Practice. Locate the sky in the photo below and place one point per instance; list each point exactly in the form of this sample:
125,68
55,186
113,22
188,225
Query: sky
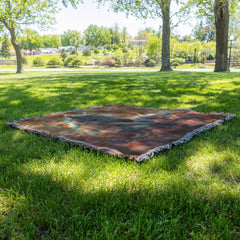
88,13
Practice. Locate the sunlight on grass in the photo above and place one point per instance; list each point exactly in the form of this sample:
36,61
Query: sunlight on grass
54,190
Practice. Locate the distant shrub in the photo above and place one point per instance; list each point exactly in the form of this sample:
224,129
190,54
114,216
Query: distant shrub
203,59
175,64
86,52
126,58
63,54
109,61
109,48
150,62
24,60
115,46
68,60
125,50
130,63
119,60
73,61
97,62
74,51
76,62
54,62
38,62
96,50
138,62
105,52
178,60
118,52
131,46
211,57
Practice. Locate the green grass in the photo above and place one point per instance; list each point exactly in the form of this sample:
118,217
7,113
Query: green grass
53,190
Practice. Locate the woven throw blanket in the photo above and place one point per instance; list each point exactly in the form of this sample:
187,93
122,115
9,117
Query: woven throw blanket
123,130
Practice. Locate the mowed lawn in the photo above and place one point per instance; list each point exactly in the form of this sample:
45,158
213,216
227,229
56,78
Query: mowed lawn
53,190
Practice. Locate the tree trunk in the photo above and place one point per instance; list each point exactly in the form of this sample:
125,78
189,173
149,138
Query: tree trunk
221,12
17,48
165,8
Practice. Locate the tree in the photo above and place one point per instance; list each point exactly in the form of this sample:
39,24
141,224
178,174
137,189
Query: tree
115,35
124,35
234,25
5,50
15,15
144,9
165,9
72,38
51,41
31,41
221,10
97,36
205,32
154,48
144,35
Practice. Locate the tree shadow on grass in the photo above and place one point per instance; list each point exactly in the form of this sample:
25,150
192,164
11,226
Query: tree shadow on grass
42,206
110,198
39,95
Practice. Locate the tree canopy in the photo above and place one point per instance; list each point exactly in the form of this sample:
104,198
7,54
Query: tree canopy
97,36
71,38
17,15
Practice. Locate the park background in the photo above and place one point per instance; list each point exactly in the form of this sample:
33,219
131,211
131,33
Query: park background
95,36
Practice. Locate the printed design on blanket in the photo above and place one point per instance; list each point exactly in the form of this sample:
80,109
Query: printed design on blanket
123,130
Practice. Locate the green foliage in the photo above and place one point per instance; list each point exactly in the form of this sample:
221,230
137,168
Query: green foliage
119,60
31,40
175,64
105,51
192,50
63,54
38,62
54,190
126,59
97,36
109,62
150,62
109,47
5,49
74,51
125,50
118,52
54,62
115,35
145,35
73,61
138,62
51,41
124,35
97,62
68,60
115,47
234,25
86,52
154,48
178,60
96,50
24,60
205,33
71,38
77,62
140,51
18,14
